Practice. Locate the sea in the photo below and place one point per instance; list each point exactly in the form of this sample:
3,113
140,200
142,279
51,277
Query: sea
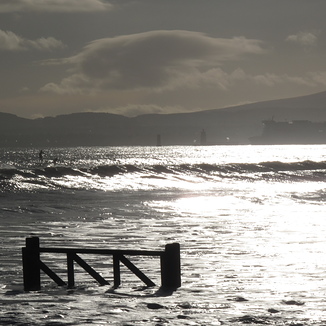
250,221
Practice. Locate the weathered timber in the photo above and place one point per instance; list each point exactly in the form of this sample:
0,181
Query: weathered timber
32,265
171,267
116,270
70,269
108,252
49,272
90,270
136,271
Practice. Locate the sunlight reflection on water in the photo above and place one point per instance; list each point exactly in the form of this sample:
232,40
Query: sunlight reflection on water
241,237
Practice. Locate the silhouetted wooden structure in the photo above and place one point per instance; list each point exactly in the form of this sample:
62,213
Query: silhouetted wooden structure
158,140
32,265
203,139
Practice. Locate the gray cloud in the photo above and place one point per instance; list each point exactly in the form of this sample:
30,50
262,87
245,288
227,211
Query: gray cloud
306,39
154,60
133,110
9,41
7,6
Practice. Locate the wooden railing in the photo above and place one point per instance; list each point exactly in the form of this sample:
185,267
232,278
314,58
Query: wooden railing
33,265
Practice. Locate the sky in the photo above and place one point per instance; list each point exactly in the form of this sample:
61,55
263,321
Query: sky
135,57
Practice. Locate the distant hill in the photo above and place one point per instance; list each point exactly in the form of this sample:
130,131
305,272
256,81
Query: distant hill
233,125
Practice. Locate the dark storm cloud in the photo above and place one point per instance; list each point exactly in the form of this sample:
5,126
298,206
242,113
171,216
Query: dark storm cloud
155,60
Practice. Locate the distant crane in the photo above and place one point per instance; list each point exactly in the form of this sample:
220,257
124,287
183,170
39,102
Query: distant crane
203,139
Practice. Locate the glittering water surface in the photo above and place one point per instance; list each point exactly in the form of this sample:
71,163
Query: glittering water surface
250,221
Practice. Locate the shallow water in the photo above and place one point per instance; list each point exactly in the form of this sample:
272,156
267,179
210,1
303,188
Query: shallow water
249,219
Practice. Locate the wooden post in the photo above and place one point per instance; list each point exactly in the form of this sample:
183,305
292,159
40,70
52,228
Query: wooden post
31,264
116,270
171,267
70,270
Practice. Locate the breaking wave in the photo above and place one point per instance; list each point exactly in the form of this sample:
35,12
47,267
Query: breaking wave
276,170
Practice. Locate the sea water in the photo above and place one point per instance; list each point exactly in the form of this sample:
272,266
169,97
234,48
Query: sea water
249,219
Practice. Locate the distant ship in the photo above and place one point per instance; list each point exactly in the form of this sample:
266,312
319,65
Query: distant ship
293,132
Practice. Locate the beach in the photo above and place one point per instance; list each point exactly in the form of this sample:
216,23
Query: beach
249,220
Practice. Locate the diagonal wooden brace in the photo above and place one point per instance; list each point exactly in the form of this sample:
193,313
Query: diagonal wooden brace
90,270
51,274
136,271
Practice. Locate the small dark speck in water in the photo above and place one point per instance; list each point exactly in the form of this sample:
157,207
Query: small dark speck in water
154,306
247,319
293,302
183,317
186,305
238,299
273,311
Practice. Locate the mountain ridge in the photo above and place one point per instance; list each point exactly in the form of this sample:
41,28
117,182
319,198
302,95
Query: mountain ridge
232,125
